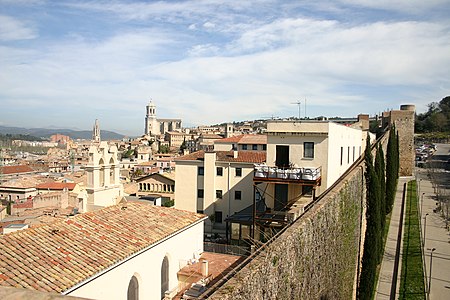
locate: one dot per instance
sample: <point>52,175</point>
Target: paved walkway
<point>387,265</point>
<point>437,237</point>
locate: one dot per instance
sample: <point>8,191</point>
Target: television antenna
<point>299,103</point>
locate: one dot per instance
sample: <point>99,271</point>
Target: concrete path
<point>387,265</point>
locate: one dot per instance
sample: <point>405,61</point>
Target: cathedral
<point>154,126</point>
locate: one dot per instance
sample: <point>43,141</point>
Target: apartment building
<point>216,183</point>
<point>304,158</point>
<point>243,142</point>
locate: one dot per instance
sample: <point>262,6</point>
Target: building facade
<point>81,256</point>
<point>103,173</point>
<point>218,184</point>
<point>154,126</point>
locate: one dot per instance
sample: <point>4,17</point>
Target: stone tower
<point>103,186</point>
<point>403,120</point>
<point>96,132</point>
<point>151,123</point>
<point>229,130</point>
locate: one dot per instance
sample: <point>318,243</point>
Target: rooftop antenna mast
<point>299,103</point>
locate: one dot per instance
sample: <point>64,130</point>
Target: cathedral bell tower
<point>151,124</point>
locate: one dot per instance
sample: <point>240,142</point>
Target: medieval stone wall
<point>315,258</point>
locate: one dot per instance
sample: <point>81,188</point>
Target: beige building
<point>243,142</point>
<point>161,184</point>
<point>218,183</point>
<point>175,138</point>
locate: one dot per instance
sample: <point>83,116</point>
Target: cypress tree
<point>372,243</point>
<point>391,170</point>
<point>379,169</point>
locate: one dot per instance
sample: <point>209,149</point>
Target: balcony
<point>295,175</point>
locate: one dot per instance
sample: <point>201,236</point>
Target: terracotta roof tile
<point>232,139</point>
<point>55,257</point>
<point>56,186</point>
<point>228,156</point>
<point>6,170</point>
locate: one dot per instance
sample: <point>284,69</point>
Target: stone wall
<point>317,257</point>
<point>404,124</point>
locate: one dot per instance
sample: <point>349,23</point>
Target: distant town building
<point>96,132</point>
<point>154,126</point>
<point>60,138</point>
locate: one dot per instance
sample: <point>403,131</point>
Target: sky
<point>64,64</point>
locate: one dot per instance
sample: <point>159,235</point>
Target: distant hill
<point>46,133</point>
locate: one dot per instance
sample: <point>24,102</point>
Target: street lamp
<point>421,205</point>
<point>429,279</point>
<point>424,229</point>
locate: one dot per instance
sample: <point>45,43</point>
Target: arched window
<point>112,173</point>
<point>164,276</point>
<point>102,172</point>
<point>133,289</point>
<point>140,186</point>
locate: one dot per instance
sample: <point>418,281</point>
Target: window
<point>199,211</point>
<point>133,289</point>
<point>342,155</point>
<point>354,152</point>
<point>219,194</point>
<point>238,172</point>
<point>237,195</point>
<point>201,171</point>
<point>308,150</point>
<point>244,147</point>
<point>254,147</point>
<point>348,154</point>
<point>264,147</point>
<point>218,217</point>
<point>200,193</point>
<point>307,190</point>
<point>219,171</point>
<point>164,276</point>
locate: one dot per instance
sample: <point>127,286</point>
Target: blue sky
<point>67,63</point>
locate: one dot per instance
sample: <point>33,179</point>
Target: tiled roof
<point>253,139</point>
<point>56,186</point>
<point>55,257</point>
<point>245,139</point>
<point>232,139</point>
<point>6,170</point>
<point>228,156</point>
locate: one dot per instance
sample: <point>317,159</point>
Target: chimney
<point>235,154</point>
<point>205,270</point>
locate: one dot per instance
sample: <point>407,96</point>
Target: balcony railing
<point>295,174</point>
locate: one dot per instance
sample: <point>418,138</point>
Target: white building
<point>154,126</point>
<point>103,173</point>
<point>128,251</point>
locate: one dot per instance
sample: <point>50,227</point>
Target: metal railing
<point>262,171</point>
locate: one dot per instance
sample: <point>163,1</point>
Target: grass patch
<point>412,283</point>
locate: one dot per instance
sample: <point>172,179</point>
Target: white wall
<point>147,268</point>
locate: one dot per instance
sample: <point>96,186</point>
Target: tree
<point>391,169</point>
<point>373,239</point>
<point>163,149</point>
<point>381,174</point>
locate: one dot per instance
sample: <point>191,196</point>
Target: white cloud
<point>12,29</point>
<point>242,65</point>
